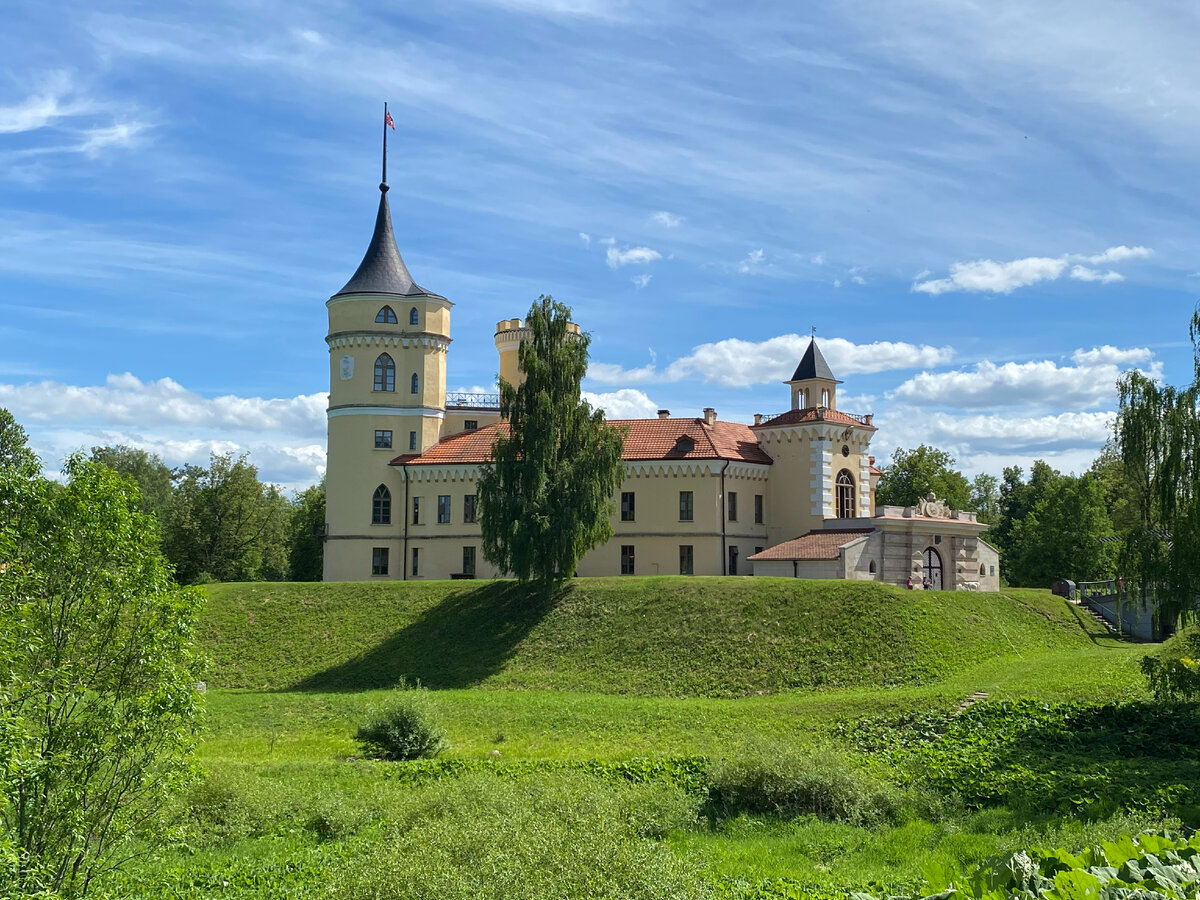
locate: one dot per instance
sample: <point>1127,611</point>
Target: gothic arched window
<point>845,495</point>
<point>381,506</point>
<point>415,383</point>
<point>386,316</point>
<point>413,316</point>
<point>385,373</point>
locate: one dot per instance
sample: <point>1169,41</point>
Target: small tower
<point>510,335</point>
<point>813,384</point>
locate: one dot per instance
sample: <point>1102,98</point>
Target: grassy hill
<point>668,636</point>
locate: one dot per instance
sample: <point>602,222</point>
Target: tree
<point>98,710</point>
<point>14,447</point>
<point>226,525</point>
<point>153,477</point>
<point>985,497</point>
<point>914,473</point>
<point>546,496</point>
<point>305,546</point>
<point>1158,436</point>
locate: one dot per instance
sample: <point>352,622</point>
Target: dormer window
<point>414,317</point>
<point>684,444</point>
<point>386,316</point>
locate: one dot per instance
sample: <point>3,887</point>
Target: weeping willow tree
<point>1158,435</point>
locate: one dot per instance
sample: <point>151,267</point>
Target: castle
<point>791,495</point>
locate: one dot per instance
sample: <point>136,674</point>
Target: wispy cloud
<point>987,275</point>
<point>666,219</point>
<point>632,256</point>
<point>640,281</point>
<point>752,263</point>
<point>121,134</point>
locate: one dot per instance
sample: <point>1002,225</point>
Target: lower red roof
<point>823,544</point>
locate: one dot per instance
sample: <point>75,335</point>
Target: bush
<point>407,728</point>
<point>785,783</point>
<point>1174,672</point>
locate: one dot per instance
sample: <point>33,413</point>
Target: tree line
<point>218,522</point>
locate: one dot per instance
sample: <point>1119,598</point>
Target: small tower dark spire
<point>387,120</point>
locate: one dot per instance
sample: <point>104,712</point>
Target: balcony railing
<point>465,400</point>
<point>820,415</point>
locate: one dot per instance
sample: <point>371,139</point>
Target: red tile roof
<point>648,439</point>
<point>813,414</point>
<point>823,544</point>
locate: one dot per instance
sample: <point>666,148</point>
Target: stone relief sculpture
<point>347,368</point>
<point>931,506</point>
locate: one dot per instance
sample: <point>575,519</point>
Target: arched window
<point>845,495</point>
<point>381,506</point>
<point>802,399</point>
<point>871,568</point>
<point>386,316</point>
<point>385,373</point>
<point>414,385</point>
<point>413,316</point>
<point>982,570</point>
<point>825,398</point>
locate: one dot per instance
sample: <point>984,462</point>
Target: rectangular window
<point>379,560</point>
<point>685,506</point>
<point>733,555</point>
<point>627,506</point>
<point>469,509</point>
<point>416,510</point>
<point>416,556</point>
<point>686,564</point>
<point>626,559</point>
<point>469,561</point>
<point>471,425</point>
<point>733,506</point>
<point>412,440</point>
<point>383,440</point>
<point>758,509</point>
<point>443,509</point>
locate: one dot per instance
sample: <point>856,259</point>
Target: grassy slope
<point>665,636</point>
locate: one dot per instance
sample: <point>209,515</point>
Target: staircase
<point>1112,629</point>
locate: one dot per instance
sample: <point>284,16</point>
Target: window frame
<point>469,512</point>
<point>468,561</point>
<point>759,503</point>
<point>628,559</point>
<point>443,509</point>
<point>845,494</point>
<point>414,316</point>
<point>733,560</point>
<point>414,384</point>
<point>687,559</point>
<point>386,316</point>
<point>731,506</point>
<point>689,507</point>
<point>412,440</point>
<point>379,561</point>
<point>628,506</point>
<point>416,510</point>
<point>383,439</point>
<point>385,374</point>
<point>470,424</point>
<point>381,506</point>
<point>416,562</point>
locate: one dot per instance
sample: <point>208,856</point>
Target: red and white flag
<point>387,120</point>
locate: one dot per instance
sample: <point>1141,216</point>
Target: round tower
<point>387,341</point>
<point>510,335</point>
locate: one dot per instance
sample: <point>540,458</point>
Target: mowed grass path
<point>667,636</point>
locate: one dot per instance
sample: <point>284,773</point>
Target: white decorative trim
<point>366,339</point>
<point>451,473</point>
<point>385,411</point>
<point>433,299</point>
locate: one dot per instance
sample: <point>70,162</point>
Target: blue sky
<point>987,211</point>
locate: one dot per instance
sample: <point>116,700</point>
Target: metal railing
<point>465,400</point>
<point>820,411</point>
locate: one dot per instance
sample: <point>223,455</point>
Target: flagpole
<point>385,117</point>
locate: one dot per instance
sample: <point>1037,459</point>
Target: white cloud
<point>40,109</point>
<point>586,238</point>
<point>121,134</point>
<point>640,281</point>
<point>1108,354</point>
<point>607,241</point>
<point>1005,277</point>
<point>635,256</point>
<point>666,219</point>
<point>1082,273</point>
<point>623,404</point>
<point>1120,254</point>
<point>858,279</point>
<point>1090,383</point>
<point>819,259</point>
<point>750,264</point>
<point>737,363</point>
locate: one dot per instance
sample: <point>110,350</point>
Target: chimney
<point>868,417</point>
<point>710,415</point>
<point>664,414</point>
<point>870,460</point>
<point>758,418</point>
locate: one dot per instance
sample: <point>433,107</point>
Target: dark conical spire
<point>382,270</point>
<point>813,365</point>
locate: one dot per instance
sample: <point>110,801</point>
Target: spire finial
<point>814,332</point>
<point>387,123</point>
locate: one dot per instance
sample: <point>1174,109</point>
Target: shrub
<point>786,783</point>
<point>407,728</point>
<point>1174,672</point>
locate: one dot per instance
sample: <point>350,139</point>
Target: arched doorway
<point>933,568</point>
<point>845,495</point>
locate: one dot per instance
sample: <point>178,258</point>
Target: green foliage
<point>15,454</point>
<point>560,836</point>
<point>152,476</point>
<point>1158,434</point>
<point>1173,673</point>
<point>545,497</point>
<point>407,727</point>
<point>985,497</point>
<point>306,549</point>
<point>97,707</point>
<point>914,473</point>
<point>688,773</point>
<point>782,782</point>
<point>670,634</point>
<point>226,523</point>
